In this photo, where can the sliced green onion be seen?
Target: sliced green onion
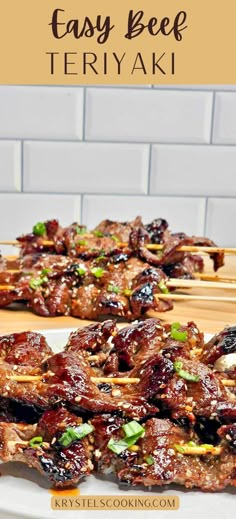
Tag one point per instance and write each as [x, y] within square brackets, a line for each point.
[35, 283]
[117, 446]
[180, 449]
[163, 288]
[45, 272]
[35, 442]
[113, 237]
[100, 258]
[81, 230]
[150, 460]
[127, 292]
[113, 288]
[175, 326]
[183, 449]
[178, 365]
[175, 334]
[72, 434]
[97, 272]
[133, 431]
[185, 374]
[99, 234]
[81, 271]
[133, 428]
[82, 242]
[39, 229]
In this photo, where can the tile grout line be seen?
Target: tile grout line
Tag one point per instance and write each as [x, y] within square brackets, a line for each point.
[205, 216]
[212, 117]
[118, 195]
[81, 208]
[84, 114]
[22, 166]
[148, 87]
[149, 170]
[117, 142]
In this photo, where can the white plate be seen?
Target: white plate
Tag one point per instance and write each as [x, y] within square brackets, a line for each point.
[25, 494]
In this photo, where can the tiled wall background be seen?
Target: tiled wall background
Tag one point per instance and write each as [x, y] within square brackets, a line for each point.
[89, 153]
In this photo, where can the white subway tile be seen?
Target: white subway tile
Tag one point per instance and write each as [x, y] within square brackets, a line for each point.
[86, 167]
[224, 130]
[183, 214]
[148, 115]
[193, 170]
[19, 212]
[221, 217]
[10, 166]
[41, 112]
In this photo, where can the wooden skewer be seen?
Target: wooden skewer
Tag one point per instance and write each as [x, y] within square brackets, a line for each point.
[182, 297]
[171, 283]
[113, 380]
[93, 358]
[25, 378]
[228, 382]
[195, 248]
[96, 380]
[151, 246]
[200, 450]
[14, 243]
[189, 283]
[215, 278]
[12, 443]
[123, 381]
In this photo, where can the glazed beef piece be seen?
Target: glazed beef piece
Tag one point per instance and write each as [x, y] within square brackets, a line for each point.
[15, 410]
[34, 242]
[22, 354]
[169, 254]
[223, 343]
[135, 343]
[120, 230]
[217, 257]
[72, 381]
[186, 268]
[158, 230]
[56, 300]
[228, 433]
[24, 349]
[62, 466]
[32, 393]
[93, 338]
[203, 395]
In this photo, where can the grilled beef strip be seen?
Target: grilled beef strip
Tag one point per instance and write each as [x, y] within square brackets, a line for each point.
[71, 382]
[24, 349]
[62, 466]
[222, 344]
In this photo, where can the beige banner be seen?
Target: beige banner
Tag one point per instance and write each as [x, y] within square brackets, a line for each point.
[104, 42]
[157, 502]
